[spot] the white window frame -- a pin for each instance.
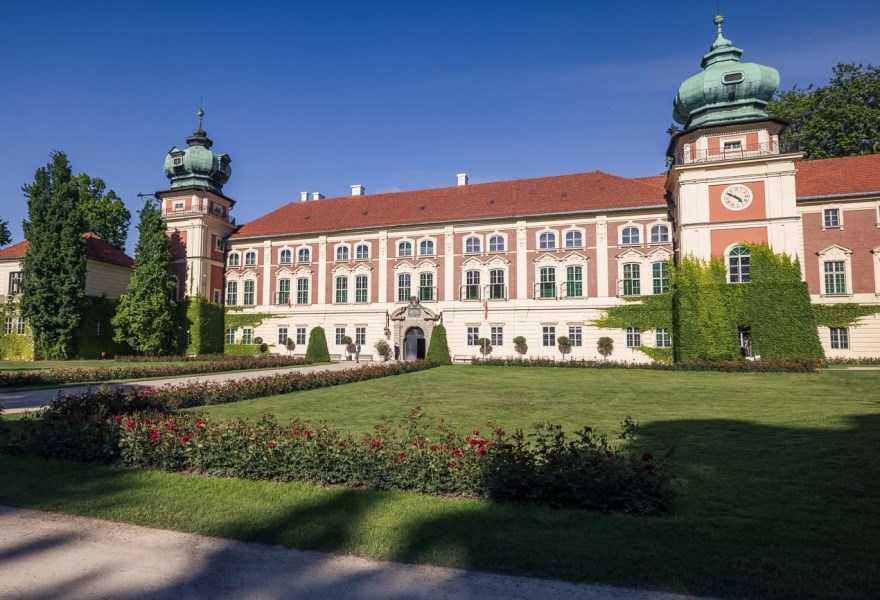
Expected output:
(493, 237)
(496, 335)
(433, 244)
(633, 337)
(339, 248)
(478, 239)
(411, 246)
(548, 336)
(308, 252)
(233, 260)
(576, 335)
(836, 253)
(301, 333)
(662, 335)
(543, 239)
(247, 255)
(624, 228)
(473, 334)
(839, 338)
(357, 251)
(659, 227)
(281, 260)
(572, 231)
(826, 211)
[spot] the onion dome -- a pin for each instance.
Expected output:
(726, 90)
(198, 166)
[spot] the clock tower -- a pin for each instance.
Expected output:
(197, 215)
(731, 181)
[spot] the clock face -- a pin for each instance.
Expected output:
(736, 197)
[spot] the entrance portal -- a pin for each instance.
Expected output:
(414, 344)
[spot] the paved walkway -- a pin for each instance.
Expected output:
(20, 401)
(50, 555)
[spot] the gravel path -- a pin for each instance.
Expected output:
(20, 401)
(51, 555)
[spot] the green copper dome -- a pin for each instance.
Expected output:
(726, 90)
(198, 165)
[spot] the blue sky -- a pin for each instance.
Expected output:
(393, 95)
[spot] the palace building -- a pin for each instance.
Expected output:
(539, 258)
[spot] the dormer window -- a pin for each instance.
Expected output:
(177, 161)
(178, 205)
(733, 146)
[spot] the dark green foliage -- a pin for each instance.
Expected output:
(245, 349)
(235, 320)
(201, 324)
(317, 350)
(103, 211)
(147, 317)
(95, 335)
(485, 346)
(842, 315)
(605, 346)
(5, 234)
(645, 312)
(840, 119)
(54, 268)
(703, 328)
(776, 306)
(520, 345)
(438, 350)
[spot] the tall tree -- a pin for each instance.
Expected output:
(54, 267)
(5, 234)
(840, 119)
(104, 212)
(146, 317)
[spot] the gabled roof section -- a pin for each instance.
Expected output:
(15, 251)
(838, 176)
(582, 192)
(97, 249)
(652, 180)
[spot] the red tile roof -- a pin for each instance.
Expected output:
(654, 180)
(503, 199)
(97, 249)
(836, 176)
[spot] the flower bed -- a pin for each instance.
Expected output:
(855, 361)
(547, 467)
(134, 358)
(137, 371)
(795, 365)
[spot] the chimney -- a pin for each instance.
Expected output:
(303, 196)
(317, 196)
(358, 190)
(462, 179)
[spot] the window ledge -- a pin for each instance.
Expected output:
(835, 295)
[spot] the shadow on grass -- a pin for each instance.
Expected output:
(763, 512)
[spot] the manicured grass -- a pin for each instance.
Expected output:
(779, 486)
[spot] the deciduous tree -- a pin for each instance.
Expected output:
(5, 234)
(146, 316)
(104, 212)
(54, 267)
(840, 119)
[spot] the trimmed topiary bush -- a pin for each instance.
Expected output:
(438, 351)
(520, 345)
(317, 350)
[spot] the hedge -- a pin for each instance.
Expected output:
(438, 350)
(138, 371)
(317, 349)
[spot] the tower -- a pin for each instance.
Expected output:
(730, 179)
(197, 215)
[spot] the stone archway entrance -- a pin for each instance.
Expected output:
(414, 344)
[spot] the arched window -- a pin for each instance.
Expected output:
(284, 257)
(574, 239)
(250, 259)
(231, 293)
(659, 234)
(547, 241)
(342, 253)
(362, 252)
(630, 235)
(739, 265)
(496, 243)
(303, 255)
(234, 259)
(472, 245)
(404, 249)
(426, 248)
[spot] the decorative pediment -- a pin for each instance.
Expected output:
(302, 272)
(835, 251)
(427, 264)
(576, 257)
(284, 272)
(659, 254)
(414, 310)
(547, 259)
(248, 273)
(361, 269)
(632, 254)
(404, 265)
(472, 262)
(497, 261)
(341, 268)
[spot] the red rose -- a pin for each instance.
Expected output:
(457, 452)
(184, 439)
(376, 443)
(129, 424)
(402, 455)
(270, 445)
(647, 456)
(481, 450)
(453, 463)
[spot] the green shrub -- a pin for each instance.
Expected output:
(438, 350)
(520, 345)
(485, 346)
(605, 346)
(245, 349)
(383, 348)
(317, 350)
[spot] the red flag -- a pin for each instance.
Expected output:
(288, 302)
(485, 310)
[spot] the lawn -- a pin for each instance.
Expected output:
(779, 486)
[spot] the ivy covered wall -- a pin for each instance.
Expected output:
(201, 326)
(95, 335)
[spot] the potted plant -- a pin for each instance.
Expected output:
(564, 345)
(349, 346)
(605, 346)
(383, 349)
(291, 345)
(519, 344)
